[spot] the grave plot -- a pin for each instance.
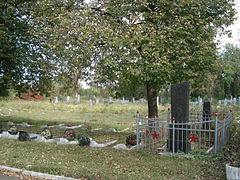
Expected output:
(202, 132)
(80, 135)
(182, 131)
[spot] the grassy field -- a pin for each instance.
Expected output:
(97, 163)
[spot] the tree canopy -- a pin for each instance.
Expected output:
(121, 44)
(155, 43)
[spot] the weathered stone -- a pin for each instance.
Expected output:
(13, 130)
(180, 114)
(206, 114)
(1, 128)
(180, 102)
(23, 136)
(83, 140)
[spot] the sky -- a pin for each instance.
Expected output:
(235, 28)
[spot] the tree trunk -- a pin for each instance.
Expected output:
(152, 101)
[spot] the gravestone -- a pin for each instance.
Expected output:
(1, 128)
(157, 101)
(110, 100)
(225, 102)
(78, 98)
(68, 99)
(179, 138)
(83, 140)
(23, 136)
(90, 102)
(200, 101)
(56, 99)
(206, 114)
(219, 102)
(133, 100)
(234, 100)
(97, 101)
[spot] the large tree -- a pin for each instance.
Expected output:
(63, 28)
(22, 65)
(154, 43)
(228, 82)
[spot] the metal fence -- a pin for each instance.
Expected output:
(208, 132)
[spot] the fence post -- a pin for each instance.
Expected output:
(173, 137)
(216, 133)
(224, 129)
(137, 121)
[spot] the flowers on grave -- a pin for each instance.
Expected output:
(131, 140)
(68, 125)
(49, 124)
(69, 134)
(13, 130)
(193, 138)
(155, 135)
(147, 132)
(46, 133)
(23, 136)
(83, 140)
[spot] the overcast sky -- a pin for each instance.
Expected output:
(235, 39)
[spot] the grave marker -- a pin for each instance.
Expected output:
(1, 128)
(179, 138)
(68, 99)
(78, 98)
(56, 99)
(97, 101)
(206, 114)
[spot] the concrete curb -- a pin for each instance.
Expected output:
(35, 174)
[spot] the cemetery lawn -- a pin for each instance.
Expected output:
(104, 163)
(96, 163)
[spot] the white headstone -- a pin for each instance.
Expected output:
(157, 101)
(219, 102)
(56, 99)
(234, 100)
(78, 98)
(231, 100)
(133, 100)
(68, 99)
(123, 100)
(200, 100)
(97, 101)
(225, 102)
(90, 102)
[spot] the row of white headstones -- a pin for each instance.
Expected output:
(77, 99)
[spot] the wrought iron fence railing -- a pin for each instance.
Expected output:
(208, 132)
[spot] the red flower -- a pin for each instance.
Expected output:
(68, 125)
(193, 138)
(147, 132)
(155, 135)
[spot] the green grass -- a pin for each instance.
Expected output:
(96, 163)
